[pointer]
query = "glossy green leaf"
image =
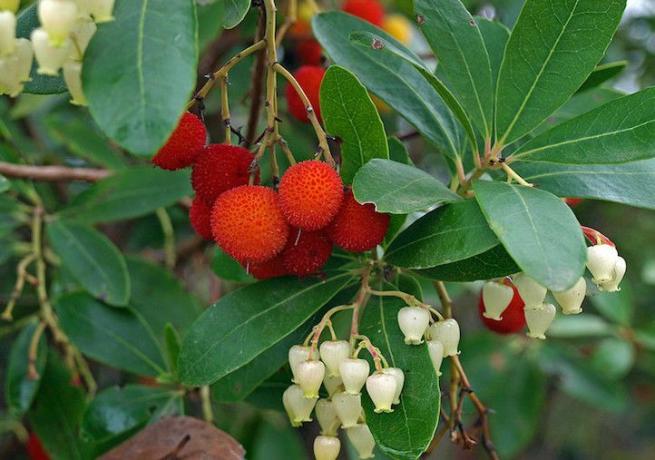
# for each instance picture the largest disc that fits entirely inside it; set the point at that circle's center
(494, 263)
(234, 11)
(350, 115)
(396, 188)
(20, 389)
(116, 337)
(129, 193)
(537, 229)
(613, 357)
(398, 152)
(138, 95)
(455, 38)
(229, 269)
(246, 322)
(618, 307)
(407, 431)
(26, 22)
(495, 35)
(603, 73)
(448, 234)
(121, 411)
(172, 345)
(582, 325)
(553, 48)
(390, 77)
(92, 259)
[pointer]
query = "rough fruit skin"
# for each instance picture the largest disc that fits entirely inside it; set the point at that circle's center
(513, 317)
(248, 224)
(368, 10)
(306, 254)
(200, 215)
(357, 227)
(309, 77)
(218, 168)
(273, 268)
(311, 193)
(184, 145)
(309, 52)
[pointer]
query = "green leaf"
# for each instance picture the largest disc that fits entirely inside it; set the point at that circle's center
(618, 307)
(613, 357)
(495, 35)
(234, 12)
(20, 389)
(57, 412)
(132, 192)
(118, 412)
(276, 440)
(116, 337)
(538, 230)
(396, 188)
(172, 344)
(553, 48)
(494, 263)
(4, 184)
(246, 322)
(92, 259)
(398, 152)
(582, 325)
(26, 22)
(350, 115)
(464, 65)
(448, 234)
(229, 269)
(137, 88)
(602, 73)
(407, 431)
(390, 77)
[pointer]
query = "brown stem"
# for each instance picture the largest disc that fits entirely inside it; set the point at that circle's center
(52, 173)
(360, 300)
(257, 84)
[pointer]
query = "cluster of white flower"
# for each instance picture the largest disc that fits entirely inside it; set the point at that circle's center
(335, 365)
(66, 30)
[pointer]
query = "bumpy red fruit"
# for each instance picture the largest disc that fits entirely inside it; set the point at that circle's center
(184, 145)
(309, 77)
(248, 224)
(311, 193)
(513, 316)
(368, 10)
(306, 252)
(199, 215)
(358, 227)
(309, 52)
(220, 167)
(270, 269)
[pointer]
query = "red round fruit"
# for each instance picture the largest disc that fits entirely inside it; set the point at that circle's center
(357, 227)
(248, 224)
(311, 193)
(309, 77)
(368, 10)
(199, 215)
(220, 167)
(273, 268)
(309, 52)
(573, 202)
(35, 449)
(513, 317)
(306, 252)
(184, 145)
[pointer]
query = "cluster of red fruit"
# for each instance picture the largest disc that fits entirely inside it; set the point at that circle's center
(272, 233)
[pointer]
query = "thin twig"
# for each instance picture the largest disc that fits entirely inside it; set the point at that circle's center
(169, 237)
(52, 173)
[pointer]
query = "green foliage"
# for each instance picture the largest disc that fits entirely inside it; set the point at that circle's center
(233, 12)
(20, 386)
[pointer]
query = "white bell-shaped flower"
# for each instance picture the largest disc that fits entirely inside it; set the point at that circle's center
(332, 384)
(57, 19)
(297, 355)
(83, 8)
(446, 332)
(601, 260)
(309, 375)
(348, 408)
(25, 56)
(531, 292)
(382, 389)
(436, 355)
(496, 298)
(413, 322)
(50, 58)
(9, 82)
(326, 447)
(102, 10)
(298, 408)
(7, 32)
(333, 352)
(81, 35)
(399, 375)
(9, 5)
(73, 79)
(354, 372)
(539, 319)
(571, 299)
(619, 273)
(361, 438)
(327, 417)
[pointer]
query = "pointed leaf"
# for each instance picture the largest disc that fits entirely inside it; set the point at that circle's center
(234, 11)
(494, 263)
(495, 35)
(20, 388)
(603, 73)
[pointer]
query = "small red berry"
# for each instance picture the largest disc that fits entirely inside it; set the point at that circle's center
(35, 449)
(357, 227)
(306, 252)
(573, 202)
(513, 316)
(199, 215)
(248, 224)
(184, 145)
(309, 77)
(311, 193)
(273, 268)
(309, 52)
(220, 167)
(368, 10)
